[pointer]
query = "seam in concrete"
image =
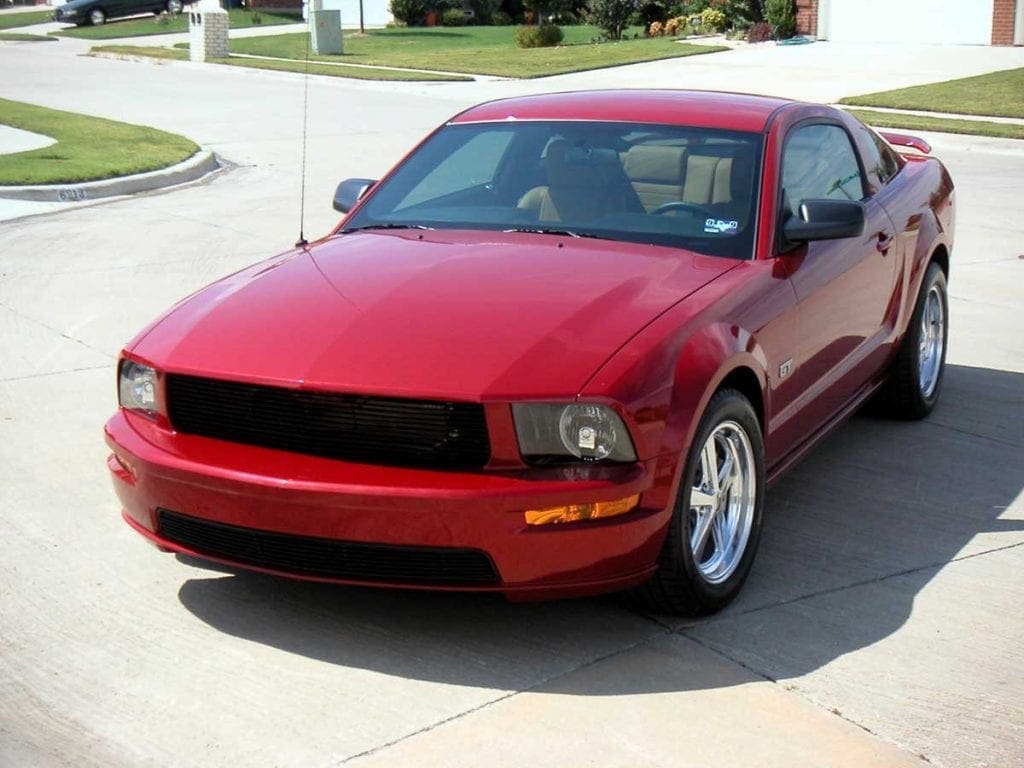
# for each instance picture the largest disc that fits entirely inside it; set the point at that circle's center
(195, 167)
(509, 695)
(60, 333)
(997, 440)
(55, 373)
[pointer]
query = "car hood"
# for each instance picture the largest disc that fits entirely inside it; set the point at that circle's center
(462, 315)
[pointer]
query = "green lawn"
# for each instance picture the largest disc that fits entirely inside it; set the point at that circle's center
(87, 148)
(999, 94)
(939, 124)
(11, 20)
(22, 37)
(315, 68)
(481, 50)
(237, 18)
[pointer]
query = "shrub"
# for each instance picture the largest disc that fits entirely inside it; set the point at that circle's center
(671, 27)
(648, 13)
(501, 19)
(611, 15)
(655, 29)
(408, 11)
(713, 20)
(541, 36)
(760, 32)
(484, 10)
(781, 14)
(453, 17)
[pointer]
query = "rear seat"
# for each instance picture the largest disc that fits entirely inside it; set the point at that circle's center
(665, 174)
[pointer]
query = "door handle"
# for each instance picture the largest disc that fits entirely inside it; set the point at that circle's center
(884, 242)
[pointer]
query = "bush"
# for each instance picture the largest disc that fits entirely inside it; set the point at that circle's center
(656, 29)
(484, 10)
(781, 14)
(760, 32)
(713, 20)
(648, 13)
(540, 36)
(501, 19)
(611, 15)
(453, 17)
(408, 11)
(671, 27)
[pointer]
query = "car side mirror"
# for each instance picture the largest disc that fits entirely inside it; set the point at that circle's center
(825, 220)
(350, 192)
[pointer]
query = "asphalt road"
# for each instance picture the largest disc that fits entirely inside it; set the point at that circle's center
(881, 624)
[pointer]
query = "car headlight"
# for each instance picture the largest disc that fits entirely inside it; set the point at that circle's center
(584, 431)
(136, 387)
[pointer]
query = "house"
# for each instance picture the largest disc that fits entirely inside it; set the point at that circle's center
(963, 22)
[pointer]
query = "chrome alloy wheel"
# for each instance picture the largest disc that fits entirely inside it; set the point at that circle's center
(722, 502)
(933, 341)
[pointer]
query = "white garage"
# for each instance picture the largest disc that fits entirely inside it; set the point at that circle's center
(963, 22)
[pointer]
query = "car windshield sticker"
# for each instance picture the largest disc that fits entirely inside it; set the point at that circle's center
(720, 227)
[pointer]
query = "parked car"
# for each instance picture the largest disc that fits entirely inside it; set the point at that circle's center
(96, 12)
(560, 349)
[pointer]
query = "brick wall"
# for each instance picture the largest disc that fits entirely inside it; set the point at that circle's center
(1004, 15)
(807, 17)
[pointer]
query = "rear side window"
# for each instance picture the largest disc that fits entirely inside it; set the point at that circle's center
(819, 163)
(882, 157)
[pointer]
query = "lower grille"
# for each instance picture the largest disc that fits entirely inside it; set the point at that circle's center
(329, 558)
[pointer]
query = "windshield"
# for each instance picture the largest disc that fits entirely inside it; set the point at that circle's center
(676, 186)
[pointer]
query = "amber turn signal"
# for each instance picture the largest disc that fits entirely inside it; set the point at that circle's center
(574, 512)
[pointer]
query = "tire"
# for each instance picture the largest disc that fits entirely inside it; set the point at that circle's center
(174, 7)
(97, 17)
(694, 579)
(915, 379)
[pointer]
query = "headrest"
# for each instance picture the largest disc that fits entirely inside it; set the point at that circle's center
(657, 164)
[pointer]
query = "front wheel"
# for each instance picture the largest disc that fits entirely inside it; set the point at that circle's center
(97, 17)
(174, 7)
(915, 378)
(716, 523)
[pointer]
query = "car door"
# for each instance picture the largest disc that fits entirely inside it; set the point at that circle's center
(844, 287)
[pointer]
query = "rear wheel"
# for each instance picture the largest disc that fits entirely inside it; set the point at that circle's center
(716, 523)
(915, 379)
(174, 7)
(97, 17)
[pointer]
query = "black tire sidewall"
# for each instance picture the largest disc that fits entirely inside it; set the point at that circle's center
(934, 276)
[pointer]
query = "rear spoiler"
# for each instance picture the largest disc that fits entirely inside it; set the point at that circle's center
(906, 140)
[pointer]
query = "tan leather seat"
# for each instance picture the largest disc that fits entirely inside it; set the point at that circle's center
(656, 173)
(584, 184)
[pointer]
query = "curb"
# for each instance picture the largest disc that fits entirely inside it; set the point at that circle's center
(195, 167)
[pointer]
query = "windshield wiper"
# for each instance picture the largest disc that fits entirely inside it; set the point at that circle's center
(389, 225)
(552, 231)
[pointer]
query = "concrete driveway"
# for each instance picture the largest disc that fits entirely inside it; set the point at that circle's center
(880, 626)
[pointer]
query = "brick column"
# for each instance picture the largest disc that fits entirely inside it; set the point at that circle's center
(807, 17)
(208, 31)
(1004, 17)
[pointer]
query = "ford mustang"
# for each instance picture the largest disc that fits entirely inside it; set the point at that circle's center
(560, 349)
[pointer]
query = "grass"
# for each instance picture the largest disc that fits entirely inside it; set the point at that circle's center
(940, 124)
(278, 66)
(480, 50)
(87, 148)
(997, 94)
(237, 19)
(21, 37)
(11, 20)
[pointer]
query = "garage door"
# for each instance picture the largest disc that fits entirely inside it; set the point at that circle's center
(965, 22)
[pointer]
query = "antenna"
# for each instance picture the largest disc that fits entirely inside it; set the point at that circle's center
(305, 123)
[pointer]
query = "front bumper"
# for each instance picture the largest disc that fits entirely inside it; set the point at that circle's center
(273, 491)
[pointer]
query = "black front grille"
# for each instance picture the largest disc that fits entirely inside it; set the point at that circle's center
(329, 558)
(371, 430)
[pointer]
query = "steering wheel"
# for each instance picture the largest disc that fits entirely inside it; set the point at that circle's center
(679, 205)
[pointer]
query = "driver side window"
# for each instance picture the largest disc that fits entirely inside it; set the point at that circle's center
(819, 163)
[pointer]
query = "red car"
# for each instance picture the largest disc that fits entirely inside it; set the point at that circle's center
(560, 349)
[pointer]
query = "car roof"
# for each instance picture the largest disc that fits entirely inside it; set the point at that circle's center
(702, 109)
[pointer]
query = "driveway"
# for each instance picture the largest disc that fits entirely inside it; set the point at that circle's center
(881, 622)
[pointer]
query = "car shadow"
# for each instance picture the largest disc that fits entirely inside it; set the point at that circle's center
(867, 520)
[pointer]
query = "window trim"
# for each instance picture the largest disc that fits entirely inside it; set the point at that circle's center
(777, 239)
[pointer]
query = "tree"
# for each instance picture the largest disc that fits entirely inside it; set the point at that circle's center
(781, 14)
(611, 15)
(543, 10)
